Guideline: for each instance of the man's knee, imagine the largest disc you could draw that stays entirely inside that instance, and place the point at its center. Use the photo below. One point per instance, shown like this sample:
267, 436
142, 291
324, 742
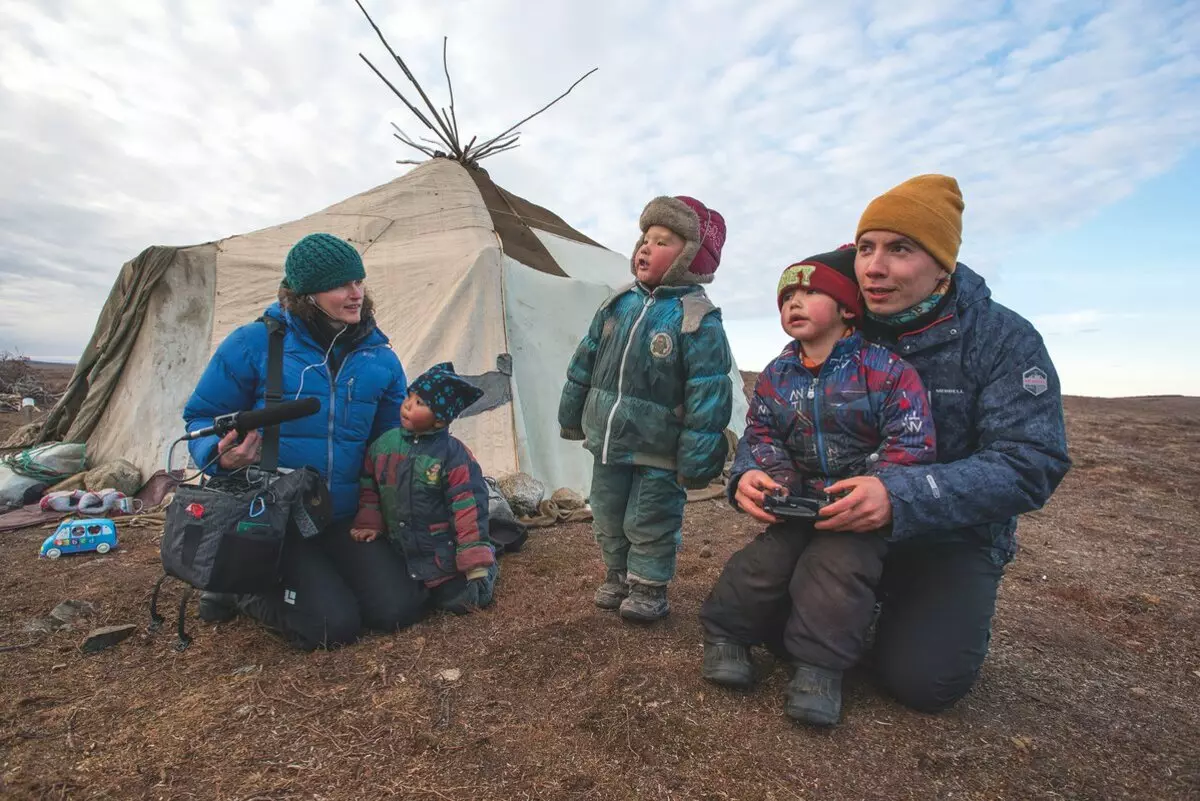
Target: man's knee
334, 628
925, 686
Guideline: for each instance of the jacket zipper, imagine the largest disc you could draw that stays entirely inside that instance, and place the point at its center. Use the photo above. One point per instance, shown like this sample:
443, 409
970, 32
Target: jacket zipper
815, 398
333, 411
646, 304
349, 399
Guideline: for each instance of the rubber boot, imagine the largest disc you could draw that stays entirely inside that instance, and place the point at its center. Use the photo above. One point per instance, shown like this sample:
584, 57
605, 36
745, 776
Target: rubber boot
728, 664
814, 696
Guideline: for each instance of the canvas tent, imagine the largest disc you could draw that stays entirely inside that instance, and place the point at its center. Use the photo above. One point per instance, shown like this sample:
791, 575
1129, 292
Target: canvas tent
459, 269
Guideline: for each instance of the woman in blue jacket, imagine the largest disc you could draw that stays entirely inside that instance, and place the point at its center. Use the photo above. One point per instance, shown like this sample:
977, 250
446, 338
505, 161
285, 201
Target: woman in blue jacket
332, 587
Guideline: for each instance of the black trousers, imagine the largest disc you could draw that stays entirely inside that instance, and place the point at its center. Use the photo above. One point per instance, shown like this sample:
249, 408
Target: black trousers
933, 631
815, 590
334, 589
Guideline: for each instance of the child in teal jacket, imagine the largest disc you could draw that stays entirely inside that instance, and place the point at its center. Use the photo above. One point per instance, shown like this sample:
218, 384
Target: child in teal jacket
649, 391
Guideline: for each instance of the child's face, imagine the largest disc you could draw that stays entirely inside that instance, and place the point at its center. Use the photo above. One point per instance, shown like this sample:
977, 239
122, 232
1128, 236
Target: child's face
660, 247
415, 416
808, 315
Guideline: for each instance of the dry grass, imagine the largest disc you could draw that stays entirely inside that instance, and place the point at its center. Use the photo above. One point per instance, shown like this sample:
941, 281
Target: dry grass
1089, 693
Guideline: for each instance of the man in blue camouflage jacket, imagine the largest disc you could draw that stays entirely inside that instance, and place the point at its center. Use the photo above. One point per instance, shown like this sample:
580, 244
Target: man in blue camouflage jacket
1001, 441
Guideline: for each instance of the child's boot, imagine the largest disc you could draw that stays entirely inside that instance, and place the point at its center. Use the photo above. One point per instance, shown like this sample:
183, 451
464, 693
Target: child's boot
814, 695
646, 603
613, 591
727, 663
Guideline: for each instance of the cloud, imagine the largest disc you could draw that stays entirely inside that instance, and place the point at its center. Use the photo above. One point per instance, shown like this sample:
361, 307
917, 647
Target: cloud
130, 124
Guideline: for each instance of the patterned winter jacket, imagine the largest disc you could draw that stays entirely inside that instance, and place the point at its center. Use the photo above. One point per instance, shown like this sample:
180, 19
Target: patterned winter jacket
359, 401
428, 494
1002, 446
649, 384
863, 413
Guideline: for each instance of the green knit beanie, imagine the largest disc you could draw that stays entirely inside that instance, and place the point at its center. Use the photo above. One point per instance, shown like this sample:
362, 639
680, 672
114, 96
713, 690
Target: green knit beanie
320, 262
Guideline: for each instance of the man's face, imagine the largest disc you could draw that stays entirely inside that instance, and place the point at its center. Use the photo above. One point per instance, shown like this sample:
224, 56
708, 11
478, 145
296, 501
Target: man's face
894, 272
660, 247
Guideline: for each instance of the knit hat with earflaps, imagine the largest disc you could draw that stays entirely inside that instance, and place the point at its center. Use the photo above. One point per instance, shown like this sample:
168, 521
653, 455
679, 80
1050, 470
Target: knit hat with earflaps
446, 393
927, 209
320, 262
831, 273
703, 233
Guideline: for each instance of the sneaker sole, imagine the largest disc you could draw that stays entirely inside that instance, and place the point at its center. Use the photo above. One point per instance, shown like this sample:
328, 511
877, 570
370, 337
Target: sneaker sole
730, 679
810, 718
638, 617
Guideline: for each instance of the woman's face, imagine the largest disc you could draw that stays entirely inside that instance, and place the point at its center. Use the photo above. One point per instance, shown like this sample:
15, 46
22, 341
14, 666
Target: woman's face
343, 303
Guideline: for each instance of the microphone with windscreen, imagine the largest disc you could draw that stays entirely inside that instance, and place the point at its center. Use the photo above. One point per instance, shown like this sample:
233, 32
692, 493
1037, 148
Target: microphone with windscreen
245, 422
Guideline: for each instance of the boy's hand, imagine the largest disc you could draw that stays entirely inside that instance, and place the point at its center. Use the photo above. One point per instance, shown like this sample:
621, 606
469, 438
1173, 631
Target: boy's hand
751, 488
866, 507
363, 534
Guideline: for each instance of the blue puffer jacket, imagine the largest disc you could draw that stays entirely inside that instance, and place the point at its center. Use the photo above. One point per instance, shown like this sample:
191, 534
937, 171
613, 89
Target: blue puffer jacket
997, 406
649, 384
358, 404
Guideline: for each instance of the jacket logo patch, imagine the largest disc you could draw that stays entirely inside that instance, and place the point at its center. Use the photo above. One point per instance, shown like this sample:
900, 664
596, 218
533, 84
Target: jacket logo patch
1035, 381
433, 474
661, 346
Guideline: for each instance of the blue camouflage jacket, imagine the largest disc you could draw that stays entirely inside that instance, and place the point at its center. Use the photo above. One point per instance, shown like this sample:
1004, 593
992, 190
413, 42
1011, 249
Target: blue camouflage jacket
649, 384
997, 406
865, 411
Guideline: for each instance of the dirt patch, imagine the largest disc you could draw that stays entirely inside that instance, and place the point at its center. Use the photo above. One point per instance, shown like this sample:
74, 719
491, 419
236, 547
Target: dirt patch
1089, 692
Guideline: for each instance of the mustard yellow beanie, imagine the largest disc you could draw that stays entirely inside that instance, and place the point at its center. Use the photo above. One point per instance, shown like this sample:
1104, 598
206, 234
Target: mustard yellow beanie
927, 209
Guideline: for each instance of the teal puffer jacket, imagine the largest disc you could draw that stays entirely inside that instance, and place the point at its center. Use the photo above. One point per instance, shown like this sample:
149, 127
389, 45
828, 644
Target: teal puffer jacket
649, 384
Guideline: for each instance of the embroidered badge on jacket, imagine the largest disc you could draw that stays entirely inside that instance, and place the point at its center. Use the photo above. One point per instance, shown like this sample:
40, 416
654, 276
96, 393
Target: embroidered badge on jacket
1035, 381
661, 346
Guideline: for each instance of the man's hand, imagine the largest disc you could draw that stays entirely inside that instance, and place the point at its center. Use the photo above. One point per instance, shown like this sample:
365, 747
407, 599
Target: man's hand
363, 534
866, 507
753, 485
234, 455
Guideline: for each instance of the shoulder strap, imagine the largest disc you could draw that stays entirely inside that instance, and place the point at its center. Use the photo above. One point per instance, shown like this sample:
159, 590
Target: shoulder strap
274, 391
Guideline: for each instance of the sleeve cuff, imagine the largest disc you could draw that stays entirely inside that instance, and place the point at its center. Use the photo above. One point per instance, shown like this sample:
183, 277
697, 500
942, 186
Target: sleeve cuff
572, 433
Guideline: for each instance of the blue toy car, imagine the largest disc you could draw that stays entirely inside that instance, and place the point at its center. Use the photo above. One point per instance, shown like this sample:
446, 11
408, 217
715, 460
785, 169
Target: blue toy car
97, 534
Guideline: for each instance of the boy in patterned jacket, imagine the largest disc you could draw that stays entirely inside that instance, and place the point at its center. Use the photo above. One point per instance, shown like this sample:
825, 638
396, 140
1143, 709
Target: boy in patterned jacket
830, 406
425, 490
649, 391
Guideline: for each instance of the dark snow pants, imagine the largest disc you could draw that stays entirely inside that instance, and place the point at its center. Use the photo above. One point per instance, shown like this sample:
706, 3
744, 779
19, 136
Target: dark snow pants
933, 631
334, 588
816, 589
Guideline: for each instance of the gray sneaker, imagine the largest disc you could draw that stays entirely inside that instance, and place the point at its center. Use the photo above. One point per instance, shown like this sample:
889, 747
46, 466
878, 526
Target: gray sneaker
728, 664
645, 603
614, 589
814, 696
217, 607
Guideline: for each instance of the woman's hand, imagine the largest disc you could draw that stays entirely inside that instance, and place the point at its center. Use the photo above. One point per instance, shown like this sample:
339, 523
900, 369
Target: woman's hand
363, 534
234, 455
751, 488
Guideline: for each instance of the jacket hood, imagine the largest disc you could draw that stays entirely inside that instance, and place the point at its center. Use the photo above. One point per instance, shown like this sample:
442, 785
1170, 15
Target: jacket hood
970, 286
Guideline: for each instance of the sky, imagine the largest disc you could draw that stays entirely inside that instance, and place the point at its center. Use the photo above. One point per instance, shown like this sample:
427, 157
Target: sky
1073, 128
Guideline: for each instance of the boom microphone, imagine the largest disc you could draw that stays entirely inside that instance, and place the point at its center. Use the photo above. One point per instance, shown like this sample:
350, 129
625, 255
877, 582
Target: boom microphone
244, 422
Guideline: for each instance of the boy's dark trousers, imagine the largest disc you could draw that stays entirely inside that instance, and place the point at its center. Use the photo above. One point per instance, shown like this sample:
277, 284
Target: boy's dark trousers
816, 588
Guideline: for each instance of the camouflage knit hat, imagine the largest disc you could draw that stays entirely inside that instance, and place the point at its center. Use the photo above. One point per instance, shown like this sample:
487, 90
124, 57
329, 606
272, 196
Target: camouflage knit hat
446, 393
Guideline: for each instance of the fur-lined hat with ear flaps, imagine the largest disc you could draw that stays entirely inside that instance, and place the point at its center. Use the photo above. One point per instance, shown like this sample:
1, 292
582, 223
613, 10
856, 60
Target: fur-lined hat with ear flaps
703, 233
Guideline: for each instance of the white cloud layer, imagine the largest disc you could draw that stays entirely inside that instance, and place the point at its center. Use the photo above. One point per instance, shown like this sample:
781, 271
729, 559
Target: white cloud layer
129, 123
